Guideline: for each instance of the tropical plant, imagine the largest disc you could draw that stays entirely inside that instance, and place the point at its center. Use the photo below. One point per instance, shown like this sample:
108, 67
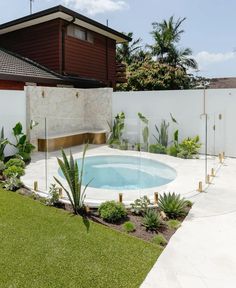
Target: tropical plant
157, 148
126, 52
3, 144
173, 150
140, 206
166, 35
15, 162
112, 211
159, 240
74, 179
181, 58
14, 171
152, 220
53, 195
189, 148
2, 167
173, 205
162, 137
117, 129
145, 130
129, 227
13, 183
23, 145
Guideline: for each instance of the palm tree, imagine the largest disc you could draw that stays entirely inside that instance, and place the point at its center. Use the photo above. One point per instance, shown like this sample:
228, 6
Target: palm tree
126, 51
166, 35
181, 58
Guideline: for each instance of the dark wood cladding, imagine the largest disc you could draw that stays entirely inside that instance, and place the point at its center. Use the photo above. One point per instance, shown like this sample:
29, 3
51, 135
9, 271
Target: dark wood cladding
11, 85
39, 43
44, 44
91, 60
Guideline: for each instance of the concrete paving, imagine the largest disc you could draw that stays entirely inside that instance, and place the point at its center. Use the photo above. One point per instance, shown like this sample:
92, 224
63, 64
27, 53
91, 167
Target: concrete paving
202, 253
189, 173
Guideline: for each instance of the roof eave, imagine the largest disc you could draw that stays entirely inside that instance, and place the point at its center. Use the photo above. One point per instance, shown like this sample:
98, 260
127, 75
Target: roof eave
120, 37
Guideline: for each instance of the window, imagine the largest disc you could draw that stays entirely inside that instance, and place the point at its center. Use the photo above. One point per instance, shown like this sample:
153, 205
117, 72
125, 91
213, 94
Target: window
79, 33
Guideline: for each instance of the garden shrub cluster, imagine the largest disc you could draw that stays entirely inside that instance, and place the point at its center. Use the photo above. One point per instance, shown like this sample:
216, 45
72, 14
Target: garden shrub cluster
187, 149
112, 211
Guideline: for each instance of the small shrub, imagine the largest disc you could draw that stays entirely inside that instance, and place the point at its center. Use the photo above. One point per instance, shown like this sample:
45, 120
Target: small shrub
15, 162
152, 220
53, 195
189, 148
188, 203
2, 166
14, 171
159, 240
140, 205
172, 205
173, 224
129, 227
157, 148
112, 211
12, 184
173, 150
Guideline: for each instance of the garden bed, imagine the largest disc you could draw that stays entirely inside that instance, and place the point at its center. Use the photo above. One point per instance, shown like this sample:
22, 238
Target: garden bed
140, 231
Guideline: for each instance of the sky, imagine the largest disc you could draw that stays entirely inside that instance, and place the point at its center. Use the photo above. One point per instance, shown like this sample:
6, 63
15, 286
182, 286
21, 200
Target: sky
209, 28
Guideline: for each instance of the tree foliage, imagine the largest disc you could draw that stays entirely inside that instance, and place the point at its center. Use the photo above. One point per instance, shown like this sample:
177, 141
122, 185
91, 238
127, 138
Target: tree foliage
163, 66
155, 76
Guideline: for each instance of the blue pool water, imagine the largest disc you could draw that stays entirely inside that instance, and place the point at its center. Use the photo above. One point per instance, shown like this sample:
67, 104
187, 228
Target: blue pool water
125, 172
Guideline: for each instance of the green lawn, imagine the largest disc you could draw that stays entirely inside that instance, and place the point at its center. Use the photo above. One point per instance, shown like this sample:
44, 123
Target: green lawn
46, 247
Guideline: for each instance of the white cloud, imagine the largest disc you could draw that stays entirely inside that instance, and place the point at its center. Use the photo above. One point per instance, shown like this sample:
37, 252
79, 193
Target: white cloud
205, 59
93, 7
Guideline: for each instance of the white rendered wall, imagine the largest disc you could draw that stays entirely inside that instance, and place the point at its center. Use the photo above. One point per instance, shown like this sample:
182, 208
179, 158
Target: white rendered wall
187, 106
12, 110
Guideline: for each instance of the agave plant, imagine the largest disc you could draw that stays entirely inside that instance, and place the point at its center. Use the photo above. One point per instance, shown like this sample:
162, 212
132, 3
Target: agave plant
152, 220
173, 205
3, 144
74, 179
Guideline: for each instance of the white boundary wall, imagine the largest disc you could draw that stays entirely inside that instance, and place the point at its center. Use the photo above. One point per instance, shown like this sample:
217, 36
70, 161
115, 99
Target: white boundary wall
12, 110
186, 106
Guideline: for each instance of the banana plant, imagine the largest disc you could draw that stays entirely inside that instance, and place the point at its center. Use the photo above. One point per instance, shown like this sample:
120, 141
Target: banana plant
145, 132
117, 129
3, 143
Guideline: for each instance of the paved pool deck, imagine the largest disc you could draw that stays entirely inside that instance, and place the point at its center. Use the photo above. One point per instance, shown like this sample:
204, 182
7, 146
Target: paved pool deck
189, 173
202, 253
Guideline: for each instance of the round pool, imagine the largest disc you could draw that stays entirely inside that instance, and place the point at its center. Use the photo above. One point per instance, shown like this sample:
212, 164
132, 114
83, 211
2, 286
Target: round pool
117, 172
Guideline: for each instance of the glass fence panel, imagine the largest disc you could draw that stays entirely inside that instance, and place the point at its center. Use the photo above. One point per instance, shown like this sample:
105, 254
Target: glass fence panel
122, 155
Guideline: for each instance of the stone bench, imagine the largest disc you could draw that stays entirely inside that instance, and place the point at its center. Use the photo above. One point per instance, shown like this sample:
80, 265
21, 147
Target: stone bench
57, 142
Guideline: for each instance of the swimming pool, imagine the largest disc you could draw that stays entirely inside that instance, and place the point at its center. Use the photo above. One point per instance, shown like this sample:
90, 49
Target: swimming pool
118, 172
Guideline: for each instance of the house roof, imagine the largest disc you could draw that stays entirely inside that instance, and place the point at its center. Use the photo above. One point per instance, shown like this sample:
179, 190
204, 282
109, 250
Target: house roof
216, 83
66, 14
17, 68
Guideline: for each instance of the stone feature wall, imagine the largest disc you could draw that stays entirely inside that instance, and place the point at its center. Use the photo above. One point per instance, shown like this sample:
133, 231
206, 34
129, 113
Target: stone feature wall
61, 111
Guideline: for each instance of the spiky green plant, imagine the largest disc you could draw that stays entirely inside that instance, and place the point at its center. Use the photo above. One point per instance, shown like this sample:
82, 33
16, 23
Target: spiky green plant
162, 132
152, 220
74, 178
173, 205
3, 144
